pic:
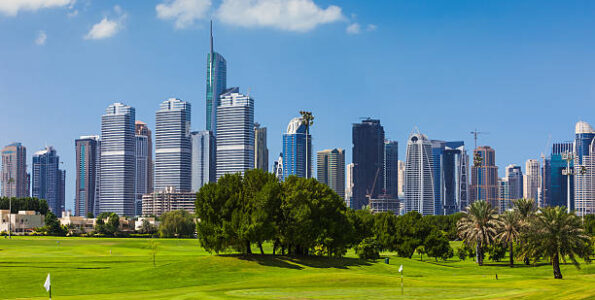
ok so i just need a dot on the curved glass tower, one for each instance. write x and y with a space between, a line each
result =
419 181
216 84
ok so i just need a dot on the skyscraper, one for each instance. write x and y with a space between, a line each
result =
216 84
142 173
514 176
14 171
349 187
584 135
331 169
235 133
368 161
295 141
203 159
173 150
557 188
401 179
584 169
450 168
531 179
504 199
48 179
261 152
118 160
278 167
141 128
484 176
87 153
419 181
391 169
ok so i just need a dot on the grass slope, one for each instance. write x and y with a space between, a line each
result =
85 268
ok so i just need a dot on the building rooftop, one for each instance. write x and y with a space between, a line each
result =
583 127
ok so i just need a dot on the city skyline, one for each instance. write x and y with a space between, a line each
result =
332 129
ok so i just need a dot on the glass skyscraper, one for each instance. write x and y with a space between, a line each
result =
331 169
142 172
391 169
584 169
368 162
419 177
87 168
118 160
216 84
450 171
14 171
173 150
295 142
203 155
556 188
484 176
261 152
48 179
235 133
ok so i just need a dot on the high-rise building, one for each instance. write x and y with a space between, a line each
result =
235 133
297 150
368 161
349 186
118 160
216 84
278 167
584 169
48 179
514 176
261 152
142 173
166 200
391 169
331 169
401 179
419 179
87 153
141 128
531 180
484 176
173 150
504 199
557 183
14 171
450 172
584 135
545 183
203 159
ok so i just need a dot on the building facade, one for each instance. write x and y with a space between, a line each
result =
15 182
297 150
48 179
331 169
87 153
368 161
216 84
261 152
531 180
450 172
584 169
391 169
484 176
142 173
556 188
118 160
235 133
419 179
141 128
203 159
166 200
514 174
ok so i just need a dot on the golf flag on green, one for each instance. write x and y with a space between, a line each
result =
400 269
48 285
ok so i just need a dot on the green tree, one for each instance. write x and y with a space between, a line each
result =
385 230
510 231
436 245
52 225
368 248
555 234
90 215
526 210
177 223
421 250
411 231
113 224
478 227
147 227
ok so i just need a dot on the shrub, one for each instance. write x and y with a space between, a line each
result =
368 248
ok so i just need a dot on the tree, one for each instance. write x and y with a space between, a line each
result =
369 248
554 233
436 245
90 215
462 253
147 227
411 231
526 210
52 225
421 250
177 223
113 224
478 227
496 251
385 230
510 231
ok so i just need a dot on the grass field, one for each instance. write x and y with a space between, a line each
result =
123 269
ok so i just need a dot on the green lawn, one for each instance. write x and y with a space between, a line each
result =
84 268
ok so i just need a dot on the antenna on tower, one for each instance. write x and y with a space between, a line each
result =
211 39
475 133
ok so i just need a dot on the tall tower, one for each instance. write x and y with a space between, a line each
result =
142 172
261 152
514 176
87 149
48 179
484 176
368 161
531 180
391 169
449 166
14 171
331 169
203 154
141 128
118 160
173 150
295 141
584 169
419 181
557 183
216 84
235 133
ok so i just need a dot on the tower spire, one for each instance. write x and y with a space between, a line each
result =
211 39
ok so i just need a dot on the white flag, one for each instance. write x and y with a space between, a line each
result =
47 285
400 270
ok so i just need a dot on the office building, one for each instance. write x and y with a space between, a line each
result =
368 162
504 199
141 128
166 200
216 84
173 150
556 187
278 167
203 159
297 150
450 172
261 152
531 180
235 133
142 172
391 169
484 176
584 169
48 179
514 174
419 179
118 160
349 184
14 171
87 154
401 179
331 169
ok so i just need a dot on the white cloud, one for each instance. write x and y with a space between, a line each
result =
41 38
290 15
107 28
354 28
184 12
13 7
371 27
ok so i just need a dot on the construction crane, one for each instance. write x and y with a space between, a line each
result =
371 192
475 133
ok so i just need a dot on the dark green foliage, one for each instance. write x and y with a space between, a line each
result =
446 224
385 230
368 248
436 245
496 251
52 225
461 253
362 221
109 228
90 215
411 232
589 224
177 223
17 204
147 228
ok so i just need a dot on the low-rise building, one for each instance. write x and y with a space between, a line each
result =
82 224
21 222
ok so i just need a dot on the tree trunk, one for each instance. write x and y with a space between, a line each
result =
260 246
422 256
556 265
282 249
511 255
274 247
248 248
479 254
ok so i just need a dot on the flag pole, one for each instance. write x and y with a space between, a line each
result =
50 292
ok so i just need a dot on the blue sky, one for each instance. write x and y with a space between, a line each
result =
520 70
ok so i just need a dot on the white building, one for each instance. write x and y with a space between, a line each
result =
203 159
20 222
419 182
531 180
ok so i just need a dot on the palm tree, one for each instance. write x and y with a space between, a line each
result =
526 210
554 233
510 231
479 226
307 120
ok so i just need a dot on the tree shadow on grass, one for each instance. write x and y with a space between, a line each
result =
519 265
298 262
